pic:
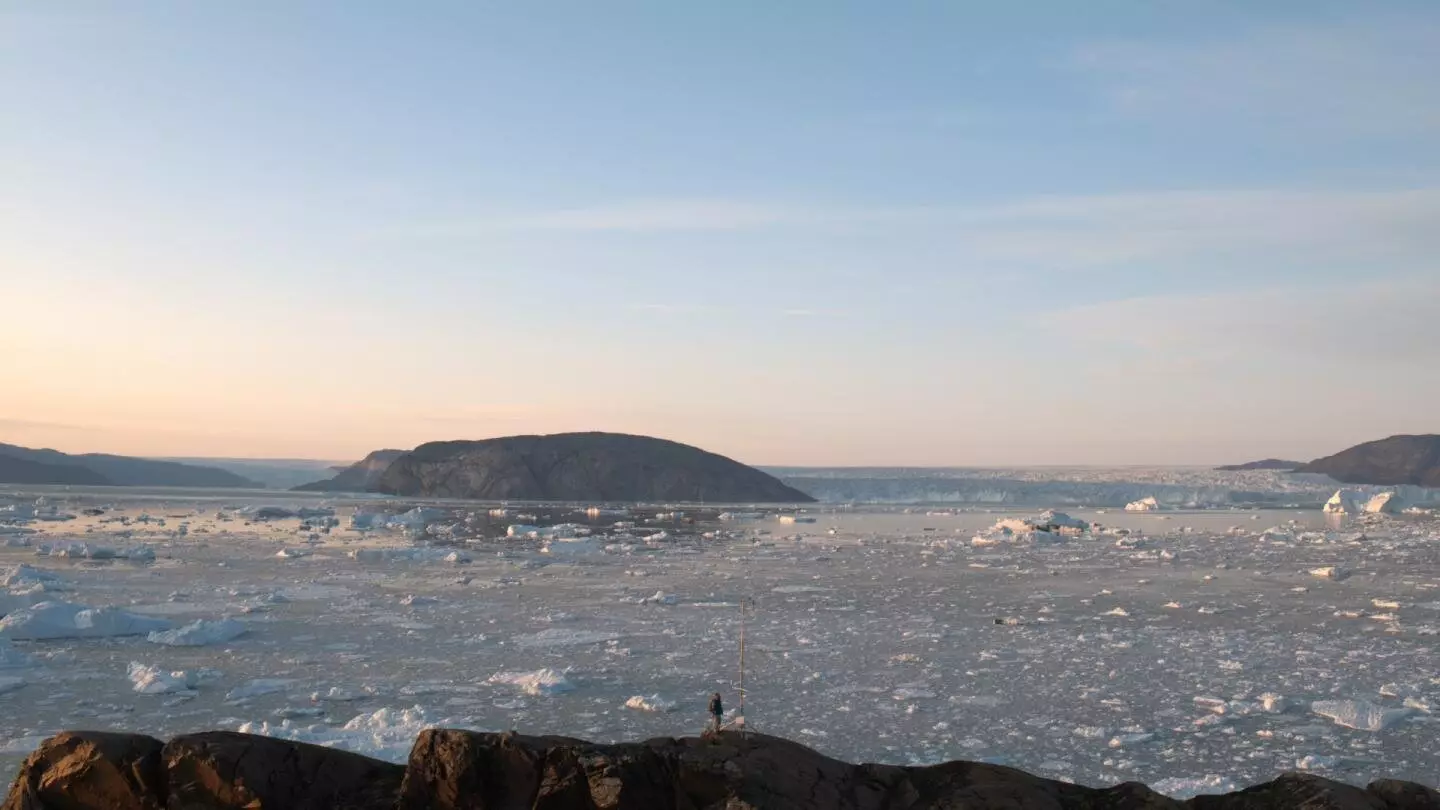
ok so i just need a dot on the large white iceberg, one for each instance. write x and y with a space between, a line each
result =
199 633
1388 503
1359 714
1344 502
51 620
1146 504
540 682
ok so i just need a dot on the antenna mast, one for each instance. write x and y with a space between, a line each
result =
742 665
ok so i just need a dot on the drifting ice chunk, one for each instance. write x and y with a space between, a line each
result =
1273 703
199 633
540 682
1343 502
51 620
11 658
652 703
155 681
1146 504
562 637
1189 788
1328 572
1359 714
22 575
570 546
258 687
1388 503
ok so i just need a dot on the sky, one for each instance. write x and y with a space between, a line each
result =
802 233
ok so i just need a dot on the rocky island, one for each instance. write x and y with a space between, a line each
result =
564 467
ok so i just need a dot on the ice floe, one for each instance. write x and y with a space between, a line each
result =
539 682
258 687
1359 714
650 703
199 633
55 620
153 680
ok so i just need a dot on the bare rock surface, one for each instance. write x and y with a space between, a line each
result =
466 770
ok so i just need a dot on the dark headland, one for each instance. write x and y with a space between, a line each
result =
1393 461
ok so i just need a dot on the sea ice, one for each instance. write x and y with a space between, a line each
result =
199 633
156 681
51 620
11 658
9 683
1189 787
1146 504
1359 714
540 682
651 703
258 687
564 637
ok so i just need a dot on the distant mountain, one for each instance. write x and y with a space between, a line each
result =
26 465
15 470
1387 462
1263 464
579 467
273 473
358 477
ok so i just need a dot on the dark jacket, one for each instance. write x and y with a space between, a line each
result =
716 707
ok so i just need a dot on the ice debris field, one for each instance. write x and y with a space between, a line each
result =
1194 650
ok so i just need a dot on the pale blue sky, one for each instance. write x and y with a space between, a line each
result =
799 233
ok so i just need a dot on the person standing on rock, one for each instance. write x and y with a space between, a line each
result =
717 712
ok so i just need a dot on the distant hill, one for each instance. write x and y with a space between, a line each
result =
358 477
273 473
579 467
29 466
1387 462
15 470
1263 464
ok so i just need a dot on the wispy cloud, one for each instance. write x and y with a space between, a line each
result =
1062 231
1369 76
7 423
1365 329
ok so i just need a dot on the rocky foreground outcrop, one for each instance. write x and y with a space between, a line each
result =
610 467
462 770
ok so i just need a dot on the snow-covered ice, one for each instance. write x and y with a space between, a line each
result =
1359 714
199 633
650 703
54 620
539 682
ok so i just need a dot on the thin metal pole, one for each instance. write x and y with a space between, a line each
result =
742 663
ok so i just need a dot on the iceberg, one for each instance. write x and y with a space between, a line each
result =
1343 502
1145 504
199 633
1387 503
52 620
